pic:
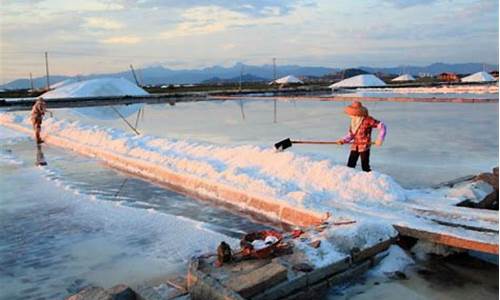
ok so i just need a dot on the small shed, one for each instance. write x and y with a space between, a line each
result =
448 77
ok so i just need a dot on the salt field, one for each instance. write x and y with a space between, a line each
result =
260 150
102 224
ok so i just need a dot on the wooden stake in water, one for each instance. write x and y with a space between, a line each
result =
125 120
135 77
275 111
242 110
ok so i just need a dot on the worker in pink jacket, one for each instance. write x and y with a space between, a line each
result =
360 133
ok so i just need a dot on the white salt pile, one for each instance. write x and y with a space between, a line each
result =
62 83
101 87
364 80
404 77
288 79
479 77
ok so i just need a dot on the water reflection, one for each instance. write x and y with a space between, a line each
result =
40 158
108 112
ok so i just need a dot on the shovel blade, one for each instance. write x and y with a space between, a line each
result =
284 144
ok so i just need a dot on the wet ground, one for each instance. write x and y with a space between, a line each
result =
76 222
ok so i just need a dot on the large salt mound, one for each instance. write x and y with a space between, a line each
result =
62 83
365 80
101 87
479 77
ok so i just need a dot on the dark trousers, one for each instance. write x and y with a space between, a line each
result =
365 159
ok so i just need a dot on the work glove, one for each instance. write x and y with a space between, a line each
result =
378 143
340 142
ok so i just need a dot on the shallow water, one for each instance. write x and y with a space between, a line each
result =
426 143
65 226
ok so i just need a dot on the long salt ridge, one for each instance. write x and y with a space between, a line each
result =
284 186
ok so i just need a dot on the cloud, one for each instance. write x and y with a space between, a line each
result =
209 19
228 46
255 8
122 40
102 23
409 3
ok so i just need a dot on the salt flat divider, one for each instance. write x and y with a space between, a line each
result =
272 209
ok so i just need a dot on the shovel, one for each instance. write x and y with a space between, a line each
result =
287 143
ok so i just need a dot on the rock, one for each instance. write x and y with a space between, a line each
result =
399 275
303 267
122 292
489 178
315 244
92 293
490 201
478 194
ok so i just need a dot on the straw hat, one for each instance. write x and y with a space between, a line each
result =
356 109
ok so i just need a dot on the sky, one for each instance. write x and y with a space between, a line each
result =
91 36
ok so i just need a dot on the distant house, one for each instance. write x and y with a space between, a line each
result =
448 76
494 74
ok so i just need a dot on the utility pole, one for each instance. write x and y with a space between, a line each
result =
274 69
274 81
135 77
31 82
47 70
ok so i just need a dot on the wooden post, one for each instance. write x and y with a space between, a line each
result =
47 70
275 111
242 110
274 69
274 81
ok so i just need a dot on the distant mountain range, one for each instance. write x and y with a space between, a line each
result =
434 69
157 75
243 78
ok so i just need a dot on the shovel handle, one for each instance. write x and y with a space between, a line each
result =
316 142
322 143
